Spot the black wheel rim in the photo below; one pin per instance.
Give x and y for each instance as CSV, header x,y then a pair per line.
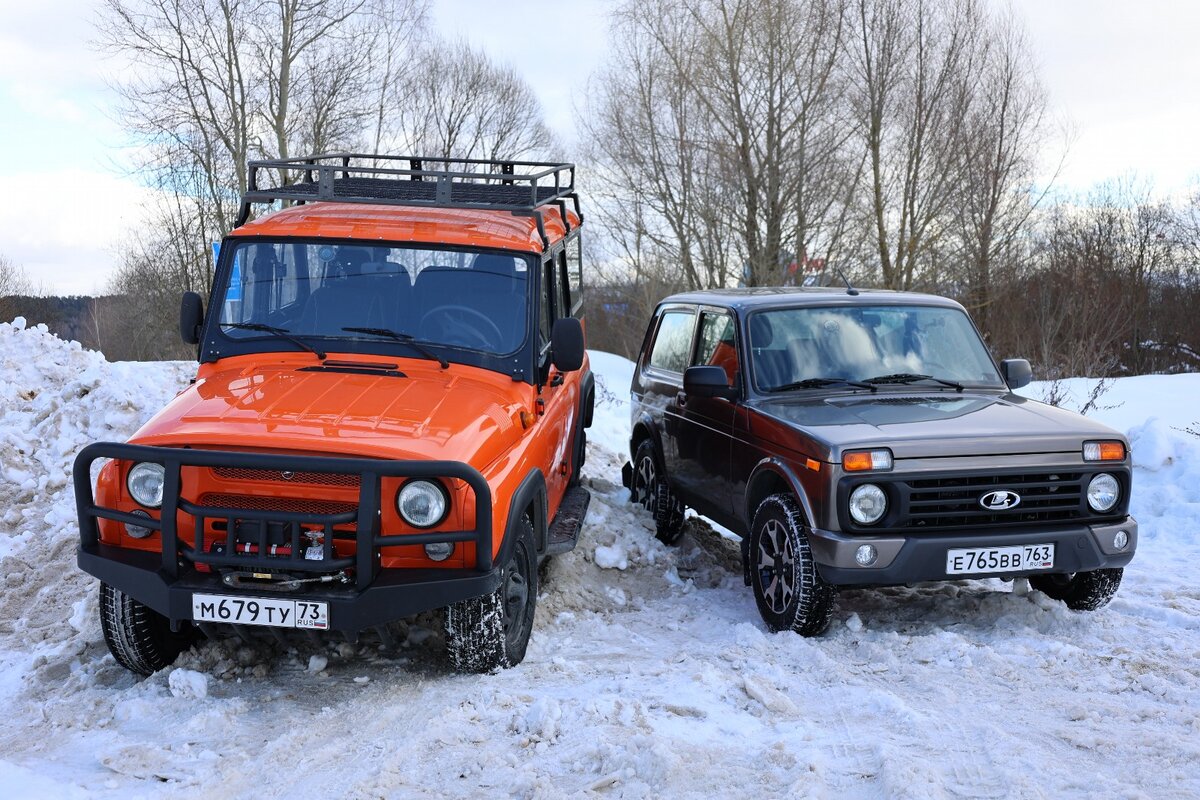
x,y
516,596
775,566
645,483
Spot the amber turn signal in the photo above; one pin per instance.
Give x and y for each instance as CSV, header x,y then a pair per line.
x,y
867,460
1103,451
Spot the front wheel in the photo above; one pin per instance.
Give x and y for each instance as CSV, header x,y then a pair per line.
x,y
790,593
651,492
140,639
1081,591
491,632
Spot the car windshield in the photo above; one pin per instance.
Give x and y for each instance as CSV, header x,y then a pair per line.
x,y
871,345
450,298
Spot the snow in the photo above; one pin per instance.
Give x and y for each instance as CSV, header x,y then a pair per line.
x,y
649,673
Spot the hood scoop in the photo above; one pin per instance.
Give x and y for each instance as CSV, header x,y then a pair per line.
x,y
357,368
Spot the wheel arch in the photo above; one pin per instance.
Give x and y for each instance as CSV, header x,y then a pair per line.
x,y
529,499
772,476
643,429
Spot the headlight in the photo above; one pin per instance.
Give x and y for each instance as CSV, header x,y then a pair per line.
x,y
1103,492
422,504
145,483
867,504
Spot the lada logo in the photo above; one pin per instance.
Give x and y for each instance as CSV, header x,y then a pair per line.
x,y
1000,500
287,474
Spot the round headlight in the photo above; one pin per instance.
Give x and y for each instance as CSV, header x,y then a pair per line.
x,y
145,483
867,504
421,503
1103,492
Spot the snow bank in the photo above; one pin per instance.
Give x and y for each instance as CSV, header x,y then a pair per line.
x,y
649,673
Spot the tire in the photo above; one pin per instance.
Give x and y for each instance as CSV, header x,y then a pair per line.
x,y
1081,591
492,632
580,456
140,639
652,493
790,593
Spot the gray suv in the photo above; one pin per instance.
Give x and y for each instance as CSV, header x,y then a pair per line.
x,y
869,439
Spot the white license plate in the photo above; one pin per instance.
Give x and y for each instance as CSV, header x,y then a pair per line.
x,y
977,560
260,611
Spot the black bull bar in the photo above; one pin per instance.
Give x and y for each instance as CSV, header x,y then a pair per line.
x,y
159,584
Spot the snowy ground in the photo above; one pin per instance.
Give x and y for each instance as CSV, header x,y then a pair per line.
x,y
651,677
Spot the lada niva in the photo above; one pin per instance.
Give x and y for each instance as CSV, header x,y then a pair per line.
x,y
868,438
388,417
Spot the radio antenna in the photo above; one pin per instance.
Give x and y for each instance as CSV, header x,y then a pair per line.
x,y
850,290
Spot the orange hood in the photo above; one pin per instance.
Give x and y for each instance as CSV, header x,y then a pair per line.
x,y
460,414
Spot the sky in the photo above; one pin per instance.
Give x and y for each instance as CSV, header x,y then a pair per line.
x,y
1123,77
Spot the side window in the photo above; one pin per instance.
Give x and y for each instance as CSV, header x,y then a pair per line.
x,y
673,341
717,344
571,278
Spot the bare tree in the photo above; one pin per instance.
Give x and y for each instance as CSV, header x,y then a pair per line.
x,y
460,104
14,282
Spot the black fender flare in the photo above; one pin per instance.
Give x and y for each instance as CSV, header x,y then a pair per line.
x,y
587,399
532,491
645,423
771,469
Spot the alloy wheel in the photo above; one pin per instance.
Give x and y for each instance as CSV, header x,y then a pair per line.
x,y
775,566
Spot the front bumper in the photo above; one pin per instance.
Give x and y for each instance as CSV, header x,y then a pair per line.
x,y
917,558
369,597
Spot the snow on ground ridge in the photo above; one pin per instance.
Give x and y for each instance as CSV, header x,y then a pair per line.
x,y
648,679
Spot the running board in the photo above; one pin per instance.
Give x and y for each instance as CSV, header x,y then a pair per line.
x,y
564,530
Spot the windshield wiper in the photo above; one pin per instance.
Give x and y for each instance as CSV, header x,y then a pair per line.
x,y
403,338
817,383
282,333
912,377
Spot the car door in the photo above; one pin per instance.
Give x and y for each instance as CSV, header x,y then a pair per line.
x,y
705,427
559,398
662,379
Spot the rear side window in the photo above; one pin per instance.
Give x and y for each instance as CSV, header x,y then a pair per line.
x,y
673,342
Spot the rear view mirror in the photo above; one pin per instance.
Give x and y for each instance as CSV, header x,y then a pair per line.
x,y
1016,372
566,344
708,381
191,315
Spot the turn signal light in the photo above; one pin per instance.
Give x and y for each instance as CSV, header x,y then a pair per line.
x,y
1103,451
867,460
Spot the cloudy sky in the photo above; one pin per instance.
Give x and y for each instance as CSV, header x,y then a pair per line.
x,y
1124,76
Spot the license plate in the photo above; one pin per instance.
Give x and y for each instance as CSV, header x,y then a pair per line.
x,y
999,559
260,611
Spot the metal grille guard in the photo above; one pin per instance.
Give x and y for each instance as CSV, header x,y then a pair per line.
x,y
368,538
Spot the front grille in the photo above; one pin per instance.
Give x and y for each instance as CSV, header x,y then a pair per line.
x,y
290,504
275,476
953,502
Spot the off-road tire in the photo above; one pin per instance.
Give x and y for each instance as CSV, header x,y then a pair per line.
x,y
480,635
140,639
650,490
1081,591
790,593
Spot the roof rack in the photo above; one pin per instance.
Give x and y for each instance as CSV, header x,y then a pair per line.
x,y
522,187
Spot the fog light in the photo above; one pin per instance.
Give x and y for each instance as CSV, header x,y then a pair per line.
x,y
865,555
1121,540
1103,492
439,551
137,531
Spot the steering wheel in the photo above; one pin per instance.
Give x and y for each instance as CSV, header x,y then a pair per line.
x,y
452,324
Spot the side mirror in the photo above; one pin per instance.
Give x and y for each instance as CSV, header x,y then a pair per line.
x,y
566,344
708,382
191,315
1016,372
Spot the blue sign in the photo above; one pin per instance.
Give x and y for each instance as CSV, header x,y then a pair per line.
x,y
235,278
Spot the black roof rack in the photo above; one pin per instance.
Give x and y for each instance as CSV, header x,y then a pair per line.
x,y
522,187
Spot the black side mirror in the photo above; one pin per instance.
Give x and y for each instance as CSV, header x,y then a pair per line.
x,y
191,315
708,382
1016,372
566,344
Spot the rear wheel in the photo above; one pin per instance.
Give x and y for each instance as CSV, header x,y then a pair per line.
x,y
491,632
790,594
1081,591
651,492
140,639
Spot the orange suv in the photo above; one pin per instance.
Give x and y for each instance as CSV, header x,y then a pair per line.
x,y
388,417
